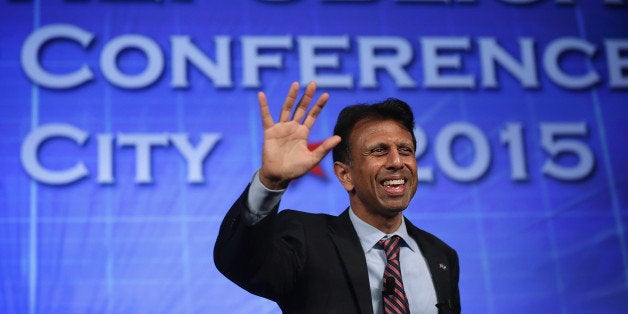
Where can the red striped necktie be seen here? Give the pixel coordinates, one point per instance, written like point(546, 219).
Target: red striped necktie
point(395, 300)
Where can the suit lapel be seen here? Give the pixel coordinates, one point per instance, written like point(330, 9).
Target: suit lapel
point(350, 251)
point(437, 263)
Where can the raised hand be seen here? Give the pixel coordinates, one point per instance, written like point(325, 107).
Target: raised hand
point(285, 155)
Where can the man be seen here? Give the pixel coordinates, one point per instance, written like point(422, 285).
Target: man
point(370, 259)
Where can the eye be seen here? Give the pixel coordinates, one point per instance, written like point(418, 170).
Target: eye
point(406, 151)
point(378, 151)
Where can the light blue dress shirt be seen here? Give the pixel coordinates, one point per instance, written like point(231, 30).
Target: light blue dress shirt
point(417, 281)
point(415, 273)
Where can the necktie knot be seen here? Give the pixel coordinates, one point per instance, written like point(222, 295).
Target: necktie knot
point(391, 246)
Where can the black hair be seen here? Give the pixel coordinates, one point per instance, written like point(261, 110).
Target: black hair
point(389, 109)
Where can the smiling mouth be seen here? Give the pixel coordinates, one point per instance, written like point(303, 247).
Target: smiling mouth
point(394, 187)
point(393, 183)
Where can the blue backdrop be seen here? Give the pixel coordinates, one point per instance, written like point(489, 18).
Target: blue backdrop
point(129, 127)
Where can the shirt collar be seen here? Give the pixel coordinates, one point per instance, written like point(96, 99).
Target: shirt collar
point(369, 235)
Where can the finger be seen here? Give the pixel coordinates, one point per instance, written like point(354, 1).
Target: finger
point(267, 119)
point(327, 145)
point(315, 110)
point(304, 102)
point(287, 104)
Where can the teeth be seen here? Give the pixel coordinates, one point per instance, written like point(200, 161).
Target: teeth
point(394, 182)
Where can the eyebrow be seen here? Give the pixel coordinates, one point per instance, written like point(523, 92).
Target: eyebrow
point(402, 144)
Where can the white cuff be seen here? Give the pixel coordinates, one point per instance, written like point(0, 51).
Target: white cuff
point(260, 201)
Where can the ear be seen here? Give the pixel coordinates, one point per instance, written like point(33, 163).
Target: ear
point(344, 175)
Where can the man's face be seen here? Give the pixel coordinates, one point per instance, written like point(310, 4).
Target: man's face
point(382, 174)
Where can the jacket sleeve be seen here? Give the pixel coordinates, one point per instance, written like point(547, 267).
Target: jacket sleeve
point(265, 258)
point(456, 308)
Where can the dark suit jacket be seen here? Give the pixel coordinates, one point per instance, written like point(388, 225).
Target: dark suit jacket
point(314, 263)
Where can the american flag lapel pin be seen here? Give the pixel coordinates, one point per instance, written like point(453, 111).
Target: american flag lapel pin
point(442, 266)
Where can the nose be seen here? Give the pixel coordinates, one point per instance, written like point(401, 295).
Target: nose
point(394, 160)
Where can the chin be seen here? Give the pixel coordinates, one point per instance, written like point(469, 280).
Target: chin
point(394, 210)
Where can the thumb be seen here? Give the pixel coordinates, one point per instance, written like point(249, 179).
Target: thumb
point(326, 146)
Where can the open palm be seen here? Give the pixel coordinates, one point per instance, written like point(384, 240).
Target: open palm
point(285, 155)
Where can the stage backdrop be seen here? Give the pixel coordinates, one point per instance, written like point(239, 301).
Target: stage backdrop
point(129, 128)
